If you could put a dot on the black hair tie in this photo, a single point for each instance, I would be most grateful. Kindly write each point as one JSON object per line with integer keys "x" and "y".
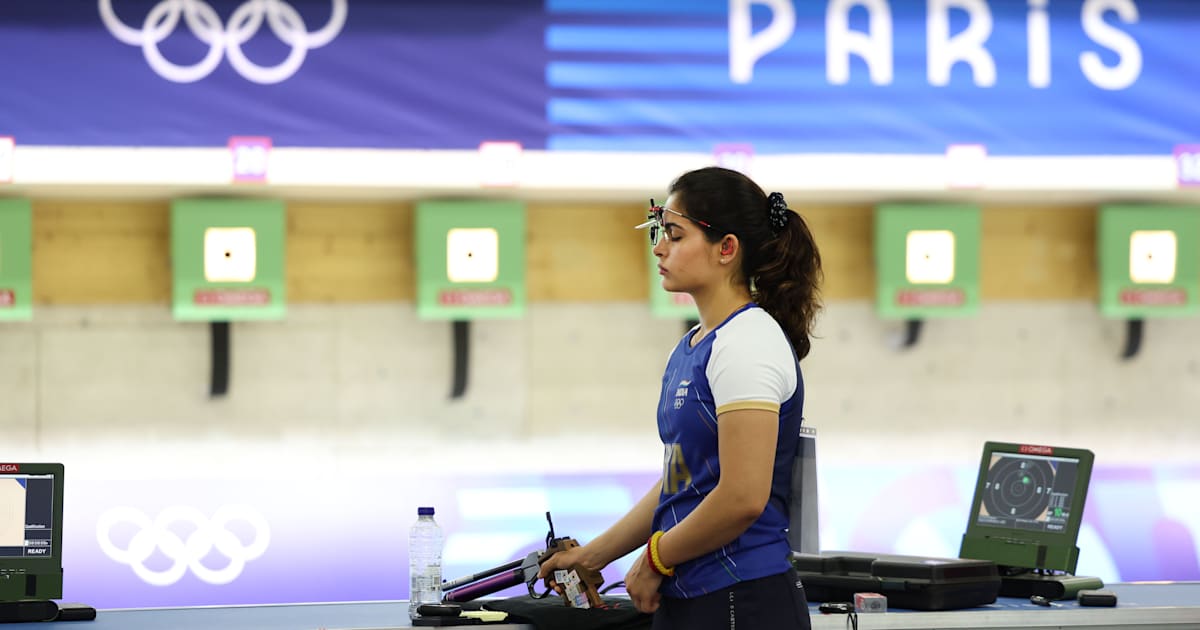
{"x": 777, "y": 212}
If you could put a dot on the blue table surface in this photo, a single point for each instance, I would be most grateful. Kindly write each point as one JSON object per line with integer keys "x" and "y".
{"x": 1131, "y": 595}
{"x": 394, "y": 614}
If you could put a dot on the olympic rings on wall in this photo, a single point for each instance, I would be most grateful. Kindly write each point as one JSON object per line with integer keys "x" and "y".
{"x": 186, "y": 554}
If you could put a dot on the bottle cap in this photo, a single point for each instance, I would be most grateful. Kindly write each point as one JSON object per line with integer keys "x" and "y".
{"x": 424, "y": 511}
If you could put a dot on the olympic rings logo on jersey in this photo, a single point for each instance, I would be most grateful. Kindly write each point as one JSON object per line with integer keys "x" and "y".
{"x": 185, "y": 554}
{"x": 224, "y": 40}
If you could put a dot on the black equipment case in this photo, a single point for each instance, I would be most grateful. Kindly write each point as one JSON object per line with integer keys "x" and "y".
{"x": 912, "y": 582}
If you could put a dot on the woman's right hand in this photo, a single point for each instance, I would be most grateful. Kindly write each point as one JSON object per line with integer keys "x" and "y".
{"x": 565, "y": 560}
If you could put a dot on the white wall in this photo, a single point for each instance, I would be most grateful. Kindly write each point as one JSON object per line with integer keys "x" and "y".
{"x": 370, "y": 384}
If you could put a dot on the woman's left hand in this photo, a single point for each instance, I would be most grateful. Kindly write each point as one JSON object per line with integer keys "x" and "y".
{"x": 642, "y": 584}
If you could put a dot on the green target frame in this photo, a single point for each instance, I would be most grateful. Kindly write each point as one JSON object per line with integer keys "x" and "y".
{"x": 228, "y": 259}
{"x": 470, "y": 259}
{"x": 1149, "y": 257}
{"x": 927, "y": 260}
{"x": 16, "y": 260}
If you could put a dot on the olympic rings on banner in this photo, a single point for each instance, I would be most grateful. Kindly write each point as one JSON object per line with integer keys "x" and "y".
{"x": 224, "y": 40}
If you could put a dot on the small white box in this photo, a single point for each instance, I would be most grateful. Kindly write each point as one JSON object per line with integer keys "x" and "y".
{"x": 229, "y": 254}
{"x": 1152, "y": 255}
{"x": 500, "y": 163}
{"x": 472, "y": 254}
{"x": 929, "y": 256}
{"x": 870, "y": 603}
{"x": 965, "y": 165}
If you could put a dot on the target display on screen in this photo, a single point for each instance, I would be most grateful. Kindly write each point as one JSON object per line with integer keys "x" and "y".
{"x": 1029, "y": 492}
{"x": 1028, "y": 506}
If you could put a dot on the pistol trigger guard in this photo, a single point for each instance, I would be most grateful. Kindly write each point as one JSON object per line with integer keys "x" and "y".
{"x": 533, "y": 593}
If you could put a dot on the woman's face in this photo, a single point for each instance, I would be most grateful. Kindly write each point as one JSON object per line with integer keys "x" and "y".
{"x": 687, "y": 262}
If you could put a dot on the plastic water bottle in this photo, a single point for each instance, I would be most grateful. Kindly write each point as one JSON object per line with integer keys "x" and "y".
{"x": 424, "y": 561}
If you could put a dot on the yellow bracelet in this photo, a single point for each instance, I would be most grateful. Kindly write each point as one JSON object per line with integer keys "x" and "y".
{"x": 653, "y": 559}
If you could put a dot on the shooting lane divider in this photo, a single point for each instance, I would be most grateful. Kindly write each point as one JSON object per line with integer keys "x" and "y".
{"x": 912, "y": 332}
{"x": 470, "y": 265}
{"x": 219, "y": 374}
{"x": 462, "y": 357}
{"x": 926, "y": 264}
{"x": 228, "y": 264}
{"x": 1134, "y": 331}
{"x": 1149, "y": 265}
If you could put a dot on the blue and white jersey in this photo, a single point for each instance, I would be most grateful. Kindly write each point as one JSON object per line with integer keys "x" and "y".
{"x": 745, "y": 363}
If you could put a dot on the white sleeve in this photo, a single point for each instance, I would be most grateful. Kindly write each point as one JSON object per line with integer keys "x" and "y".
{"x": 752, "y": 365}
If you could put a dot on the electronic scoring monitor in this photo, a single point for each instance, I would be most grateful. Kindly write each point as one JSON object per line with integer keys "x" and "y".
{"x": 31, "y": 520}
{"x": 1028, "y": 506}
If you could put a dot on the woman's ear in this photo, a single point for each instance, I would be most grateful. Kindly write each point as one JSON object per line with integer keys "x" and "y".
{"x": 726, "y": 246}
{"x": 729, "y": 248}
